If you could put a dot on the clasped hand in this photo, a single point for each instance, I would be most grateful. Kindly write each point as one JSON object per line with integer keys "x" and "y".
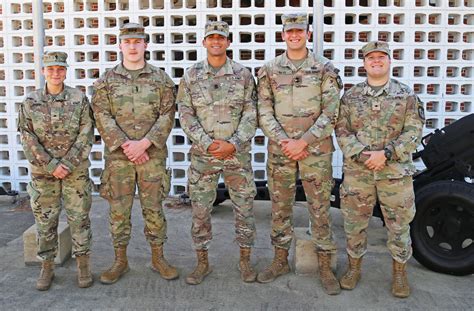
{"x": 221, "y": 149}
{"x": 135, "y": 150}
{"x": 61, "y": 171}
{"x": 295, "y": 149}
{"x": 376, "y": 160}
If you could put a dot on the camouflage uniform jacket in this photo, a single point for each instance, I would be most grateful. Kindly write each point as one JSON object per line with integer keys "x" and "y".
{"x": 391, "y": 117}
{"x": 56, "y": 130}
{"x": 127, "y": 109}
{"x": 218, "y": 106}
{"x": 299, "y": 103}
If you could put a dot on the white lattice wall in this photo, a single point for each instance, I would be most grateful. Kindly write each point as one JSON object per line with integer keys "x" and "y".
{"x": 432, "y": 43}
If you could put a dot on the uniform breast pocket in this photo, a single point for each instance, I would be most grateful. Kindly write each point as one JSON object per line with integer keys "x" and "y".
{"x": 311, "y": 86}
{"x": 359, "y": 117}
{"x": 41, "y": 118}
{"x": 73, "y": 117}
{"x": 307, "y": 95}
{"x": 120, "y": 95}
{"x": 396, "y": 114}
{"x": 200, "y": 95}
{"x": 236, "y": 98}
{"x": 150, "y": 94}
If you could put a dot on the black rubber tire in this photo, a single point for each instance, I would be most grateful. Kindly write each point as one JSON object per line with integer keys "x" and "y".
{"x": 442, "y": 231}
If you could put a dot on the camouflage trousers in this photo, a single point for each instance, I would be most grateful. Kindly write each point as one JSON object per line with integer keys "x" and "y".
{"x": 47, "y": 195}
{"x": 118, "y": 184}
{"x": 359, "y": 192}
{"x": 316, "y": 175}
{"x": 203, "y": 175}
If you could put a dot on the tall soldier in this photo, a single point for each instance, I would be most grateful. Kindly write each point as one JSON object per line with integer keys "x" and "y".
{"x": 379, "y": 127}
{"x": 134, "y": 110}
{"x": 298, "y": 103}
{"x": 218, "y": 112}
{"x": 56, "y": 129}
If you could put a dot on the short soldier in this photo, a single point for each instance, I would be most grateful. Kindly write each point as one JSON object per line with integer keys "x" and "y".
{"x": 56, "y": 129}
{"x": 298, "y": 104}
{"x": 380, "y": 125}
{"x": 217, "y": 109}
{"x": 134, "y": 109}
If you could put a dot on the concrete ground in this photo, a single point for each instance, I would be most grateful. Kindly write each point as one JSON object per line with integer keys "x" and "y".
{"x": 222, "y": 290}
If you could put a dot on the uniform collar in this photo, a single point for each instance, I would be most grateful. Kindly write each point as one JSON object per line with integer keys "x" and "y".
{"x": 367, "y": 90}
{"x": 121, "y": 70}
{"x": 226, "y": 69}
{"x": 45, "y": 96}
{"x": 286, "y": 62}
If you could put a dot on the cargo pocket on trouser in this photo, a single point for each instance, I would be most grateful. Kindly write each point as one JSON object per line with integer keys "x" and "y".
{"x": 202, "y": 188}
{"x": 166, "y": 182}
{"x": 104, "y": 188}
{"x": 87, "y": 201}
{"x": 34, "y": 197}
{"x": 251, "y": 188}
{"x": 193, "y": 179}
{"x": 343, "y": 194}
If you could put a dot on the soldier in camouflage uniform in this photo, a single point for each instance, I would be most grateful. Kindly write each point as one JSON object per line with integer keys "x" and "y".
{"x": 56, "y": 129}
{"x": 134, "y": 109}
{"x": 298, "y": 103}
{"x": 218, "y": 112}
{"x": 380, "y": 125}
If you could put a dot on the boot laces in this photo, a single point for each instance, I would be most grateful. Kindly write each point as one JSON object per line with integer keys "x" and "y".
{"x": 352, "y": 271}
{"x": 116, "y": 266}
{"x": 275, "y": 266}
{"x": 399, "y": 280}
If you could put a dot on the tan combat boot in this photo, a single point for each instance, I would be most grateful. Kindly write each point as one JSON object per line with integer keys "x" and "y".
{"x": 247, "y": 274}
{"x": 119, "y": 267}
{"x": 202, "y": 269}
{"x": 328, "y": 280}
{"x": 84, "y": 275}
{"x": 279, "y": 266}
{"x": 160, "y": 265}
{"x": 46, "y": 275}
{"x": 353, "y": 273}
{"x": 400, "y": 287}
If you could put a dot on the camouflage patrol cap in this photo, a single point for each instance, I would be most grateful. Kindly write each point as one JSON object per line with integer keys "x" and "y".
{"x": 132, "y": 30}
{"x": 375, "y": 46}
{"x": 295, "y": 21}
{"x": 216, "y": 27}
{"x": 54, "y": 59}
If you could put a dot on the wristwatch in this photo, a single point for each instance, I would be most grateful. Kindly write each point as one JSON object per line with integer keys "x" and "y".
{"x": 388, "y": 154}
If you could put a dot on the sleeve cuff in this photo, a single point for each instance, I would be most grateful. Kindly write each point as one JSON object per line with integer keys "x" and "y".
{"x": 309, "y": 138}
{"x": 153, "y": 142}
{"x": 52, "y": 165}
{"x": 118, "y": 144}
{"x": 206, "y": 143}
{"x": 236, "y": 142}
{"x": 356, "y": 151}
{"x": 400, "y": 153}
{"x": 69, "y": 165}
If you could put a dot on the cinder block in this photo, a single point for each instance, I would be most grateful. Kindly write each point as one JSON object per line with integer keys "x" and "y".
{"x": 30, "y": 246}
{"x": 306, "y": 259}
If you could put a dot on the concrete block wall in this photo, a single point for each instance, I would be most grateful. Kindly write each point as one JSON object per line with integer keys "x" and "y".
{"x": 431, "y": 40}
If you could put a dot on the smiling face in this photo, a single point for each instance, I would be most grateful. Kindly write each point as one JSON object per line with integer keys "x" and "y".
{"x": 54, "y": 75}
{"x": 296, "y": 39}
{"x": 133, "y": 50}
{"x": 216, "y": 45}
{"x": 377, "y": 65}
